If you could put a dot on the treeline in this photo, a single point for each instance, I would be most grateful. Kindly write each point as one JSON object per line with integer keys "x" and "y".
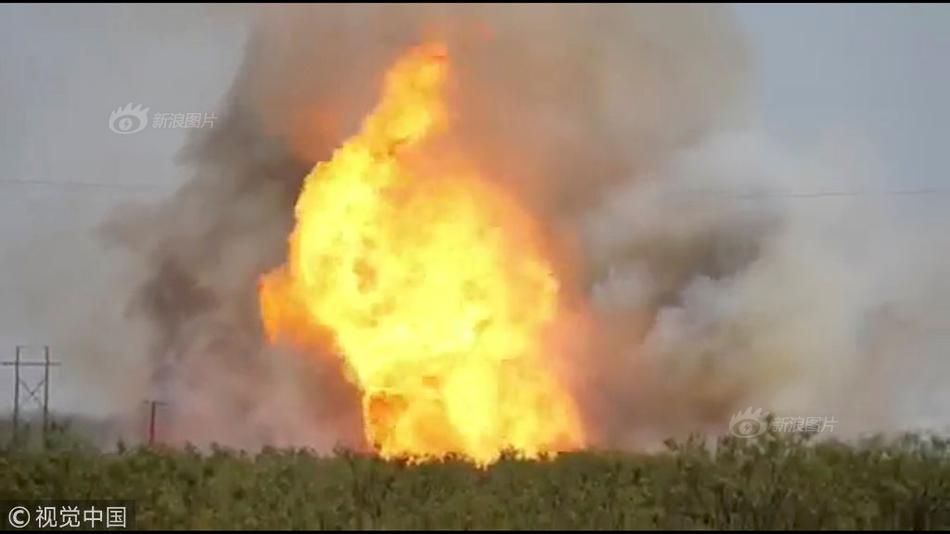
{"x": 772, "y": 482}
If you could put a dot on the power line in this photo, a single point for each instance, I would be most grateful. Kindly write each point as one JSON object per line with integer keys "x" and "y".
{"x": 86, "y": 185}
{"x": 697, "y": 193}
{"x": 820, "y": 194}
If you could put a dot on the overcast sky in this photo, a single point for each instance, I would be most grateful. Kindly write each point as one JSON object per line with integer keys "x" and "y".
{"x": 864, "y": 80}
{"x": 880, "y": 70}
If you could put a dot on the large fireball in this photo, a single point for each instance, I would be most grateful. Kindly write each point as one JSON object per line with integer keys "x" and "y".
{"x": 431, "y": 283}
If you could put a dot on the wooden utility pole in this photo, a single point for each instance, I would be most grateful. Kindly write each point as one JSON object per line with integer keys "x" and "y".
{"x": 153, "y": 405}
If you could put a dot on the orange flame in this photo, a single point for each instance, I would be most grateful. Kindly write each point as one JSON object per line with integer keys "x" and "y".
{"x": 431, "y": 284}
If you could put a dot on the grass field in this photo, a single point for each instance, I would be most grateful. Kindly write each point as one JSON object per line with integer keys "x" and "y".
{"x": 769, "y": 483}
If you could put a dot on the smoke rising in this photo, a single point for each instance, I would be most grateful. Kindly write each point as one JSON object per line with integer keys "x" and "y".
{"x": 695, "y": 287}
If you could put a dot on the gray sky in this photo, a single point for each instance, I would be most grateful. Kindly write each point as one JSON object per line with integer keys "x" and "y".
{"x": 875, "y": 76}
{"x": 877, "y": 70}
{"x": 63, "y": 70}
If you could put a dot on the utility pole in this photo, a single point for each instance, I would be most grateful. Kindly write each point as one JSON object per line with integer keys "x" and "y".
{"x": 30, "y": 391}
{"x": 45, "y": 390}
{"x": 16, "y": 392}
{"x": 153, "y": 404}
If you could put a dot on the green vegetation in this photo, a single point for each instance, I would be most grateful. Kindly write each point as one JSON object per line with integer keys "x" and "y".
{"x": 769, "y": 483}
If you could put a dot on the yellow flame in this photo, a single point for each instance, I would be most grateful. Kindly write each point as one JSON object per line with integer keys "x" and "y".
{"x": 429, "y": 282}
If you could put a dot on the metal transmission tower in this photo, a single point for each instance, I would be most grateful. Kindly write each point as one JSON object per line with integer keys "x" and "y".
{"x": 31, "y": 392}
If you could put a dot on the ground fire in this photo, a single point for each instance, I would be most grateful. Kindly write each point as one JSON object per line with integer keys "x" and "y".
{"x": 431, "y": 283}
